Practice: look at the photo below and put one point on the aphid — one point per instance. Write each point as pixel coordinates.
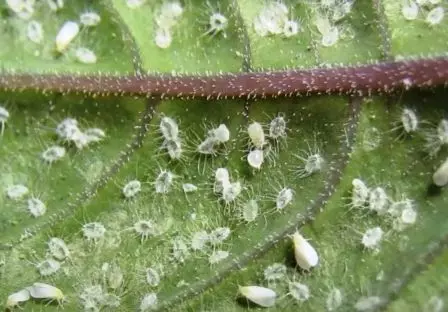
(434, 304)
(284, 198)
(221, 134)
(163, 182)
(250, 210)
(299, 291)
(16, 298)
(133, 4)
(290, 28)
(55, 4)
(66, 34)
(218, 256)
(218, 235)
(277, 127)
(199, 240)
(163, 38)
(231, 191)
(58, 249)
(4, 115)
(409, 120)
(86, 56)
(409, 10)
(152, 277)
(189, 188)
(90, 18)
(368, 303)
(378, 200)
(276, 271)
(180, 249)
(45, 291)
(169, 128)
(93, 231)
(94, 134)
(435, 16)
(372, 237)
(440, 176)
(53, 153)
(132, 188)
(256, 134)
(360, 193)
(36, 207)
(145, 228)
(35, 32)
(148, 302)
(48, 267)
(262, 296)
(255, 158)
(334, 299)
(305, 254)
(16, 191)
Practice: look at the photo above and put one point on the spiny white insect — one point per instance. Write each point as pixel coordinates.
(409, 120)
(90, 18)
(46, 291)
(16, 298)
(250, 210)
(218, 256)
(408, 216)
(313, 163)
(334, 299)
(271, 19)
(435, 140)
(169, 128)
(111, 300)
(53, 153)
(174, 148)
(189, 188)
(378, 200)
(180, 249)
(95, 134)
(276, 271)
(284, 198)
(397, 207)
(305, 254)
(434, 304)
(277, 127)
(163, 38)
(36, 207)
(68, 130)
(132, 188)
(4, 115)
(360, 193)
(152, 277)
(256, 134)
(299, 291)
(264, 297)
(290, 28)
(16, 191)
(217, 24)
(85, 55)
(440, 176)
(409, 10)
(48, 267)
(435, 16)
(163, 182)
(218, 235)
(133, 4)
(231, 191)
(221, 134)
(169, 14)
(55, 5)
(58, 249)
(207, 147)
(342, 9)
(91, 297)
(372, 237)
(114, 276)
(222, 180)
(368, 303)
(35, 31)
(148, 302)
(145, 228)
(331, 37)
(93, 231)
(199, 240)
(255, 158)
(24, 9)
(66, 34)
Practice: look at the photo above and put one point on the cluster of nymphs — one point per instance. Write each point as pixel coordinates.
(306, 258)
(25, 9)
(432, 9)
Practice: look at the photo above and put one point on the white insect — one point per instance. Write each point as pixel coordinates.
(90, 19)
(207, 147)
(58, 249)
(95, 134)
(440, 176)
(163, 182)
(152, 277)
(408, 216)
(372, 237)
(66, 34)
(331, 37)
(217, 256)
(132, 188)
(305, 254)
(276, 271)
(199, 240)
(256, 134)
(36, 207)
(16, 191)
(55, 4)
(169, 14)
(114, 276)
(264, 297)
(4, 115)
(271, 19)
(231, 191)
(68, 130)
(53, 153)
(217, 23)
(174, 148)
(434, 304)
(378, 200)
(93, 231)
(277, 127)
(221, 134)
(169, 128)
(148, 302)
(48, 267)
(180, 249)
(145, 228)
(23, 9)
(360, 193)
(409, 10)
(435, 16)
(284, 198)
(189, 188)
(397, 208)
(291, 28)
(368, 303)
(163, 38)
(334, 299)
(218, 235)
(250, 210)
(46, 291)
(16, 298)
(222, 180)
(255, 158)
(409, 120)
(299, 291)
(92, 297)
(314, 162)
(85, 55)
(35, 32)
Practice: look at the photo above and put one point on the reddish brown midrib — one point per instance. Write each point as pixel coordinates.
(366, 78)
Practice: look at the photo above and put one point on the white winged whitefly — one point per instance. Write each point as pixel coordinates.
(15, 299)
(262, 296)
(45, 291)
(304, 253)
(440, 176)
